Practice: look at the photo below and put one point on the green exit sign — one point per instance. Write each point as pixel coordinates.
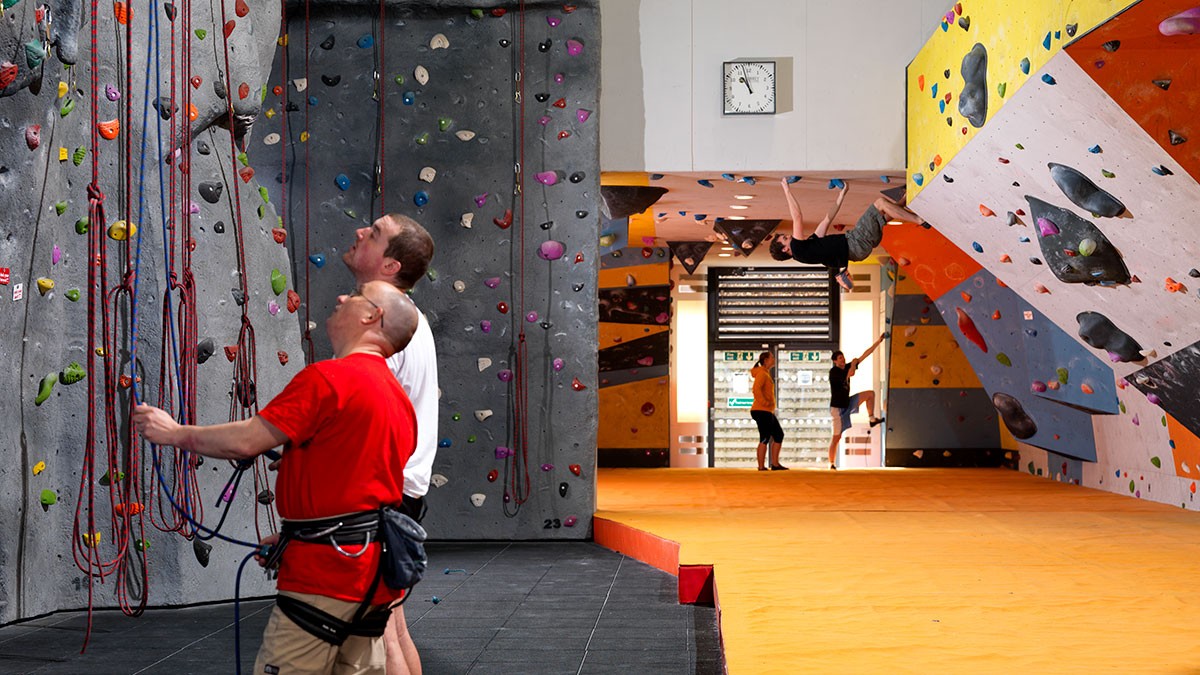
(739, 356)
(804, 356)
(739, 401)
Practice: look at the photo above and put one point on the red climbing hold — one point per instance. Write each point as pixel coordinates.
(506, 221)
(493, 475)
(576, 469)
(243, 90)
(969, 331)
(196, 82)
(569, 8)
(231, 352)
(229, 27)
(577, 385)
(279, 234)
(560, 103)
(277, 90)
(246, 173)
(283, 357)
(499, 12)
(293, 301)
(33, 136)
(8, 73)
(241, 8)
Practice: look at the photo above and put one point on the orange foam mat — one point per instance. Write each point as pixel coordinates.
(926, 570)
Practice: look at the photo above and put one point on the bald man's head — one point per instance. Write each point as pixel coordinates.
(399, 313)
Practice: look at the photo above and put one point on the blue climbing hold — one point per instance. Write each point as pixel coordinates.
(1024, 240)
(941, 105)
(312, 100)
(1047, 79)
(945, 26)
(918, 179)
(704, 182)
(793, 179)
(748, 180)
(728, 176)
(836, 184)
(1046, 42)
(933, 91)
(978, 248)
(656, 176)
(409, 98)
(1161, 170)
(366, 42)
(683, 213)
(444, 443)
(700, 216)
(1025, 66)
(317, 259)
(343, 181)
(420, 198)
(885, 179)
(1095, 150)
(1031, 332)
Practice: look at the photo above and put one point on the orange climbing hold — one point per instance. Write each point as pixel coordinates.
(969, 331)
(293, 301)
(132, 508)
(985, 211)
(965, 296)
(1086, 389)
(1005, 259)
(921, 82)
(1041, 289)
(193, 113)
(1173, 286)
(109, 130)
(937, 160)
(996, 315)
(122, 13)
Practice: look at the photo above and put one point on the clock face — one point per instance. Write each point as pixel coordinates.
(749, 87)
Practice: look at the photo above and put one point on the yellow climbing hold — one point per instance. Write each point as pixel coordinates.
(45, 285)
(303, 136)
(121, 230)
(91, 540)
(281, 40)
(270, 113)
(62, 89)
(63, 154)
(38, 468)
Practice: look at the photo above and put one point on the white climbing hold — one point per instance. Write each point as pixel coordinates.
(312, 325)
(466, 220)
(484, 363)
(420, 74)
(482, 415)
(460, 285)
(1149, 353)
(464, 135)
(439, 41)
(428, 174)
(300, 83)
(271, 139)
(478, 498)
(438, 480)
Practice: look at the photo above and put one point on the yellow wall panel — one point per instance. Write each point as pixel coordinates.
(657, 274)
(616, 333)
(624, 424)
(641, 226)
(935, 355)
(624, 178)
(1010, 30)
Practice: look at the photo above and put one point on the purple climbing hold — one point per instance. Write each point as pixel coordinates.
(273, 307)
(111, 92)
(582, 115)
(558, 364)
(544, 120)
(505, 375)
(1186, 22)
(503, 452)
(574, 47)
(531, 317)
(481, 199)
(553, 21)
(558, 78)
(547, 177)
(1038, 386)
(492, 282)
(1153, 398)
(547, 467)
(551, 250)
(485, 326)
(1046, 227)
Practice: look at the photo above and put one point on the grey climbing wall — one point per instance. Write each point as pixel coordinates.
(82, 504)
(442, 116)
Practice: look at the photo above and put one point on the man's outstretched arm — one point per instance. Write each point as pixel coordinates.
(823, 226)
(243, 439)
(793, 209)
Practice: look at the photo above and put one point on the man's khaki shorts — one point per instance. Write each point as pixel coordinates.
(288, 649)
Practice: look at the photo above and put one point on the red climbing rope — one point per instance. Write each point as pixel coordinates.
(380, 69)
(307, 333)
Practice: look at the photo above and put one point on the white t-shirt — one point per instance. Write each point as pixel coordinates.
(416, 369)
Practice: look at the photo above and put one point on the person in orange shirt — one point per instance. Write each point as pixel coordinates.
(763, 412)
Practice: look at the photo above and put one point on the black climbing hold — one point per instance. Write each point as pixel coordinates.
(1035, 260)
(211, 192)
(246, 393)
(547, 225)
(331, 80)
(576, 177)
(1099, 332)
(932, 166)
(505, 43)
(163, 105)
(1071, 29)
(239, 296)
(581, 214)
(1013, 414)
(1194, 273)
(169, 8)
(219, 227)
(219, 87)
(946, 73)
(620, 201)
(964, 22)
(204, 350)
(562, 489)
(203, 148)
(546, 325)
(327, 44)
(544, 46)
(946, 178)
(949, 121)
(1084, 193)
(292, 106)
(266, 497)
(973, 101)
(1111, 45)
(1162, 84)
(1064, 230)
(1176, 137)
(1016, 184)
(202, 549)
(542, 97)
(577, 287)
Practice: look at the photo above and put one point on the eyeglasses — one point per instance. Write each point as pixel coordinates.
(358, 294)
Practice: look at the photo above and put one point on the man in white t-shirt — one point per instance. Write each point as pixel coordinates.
(396, 249)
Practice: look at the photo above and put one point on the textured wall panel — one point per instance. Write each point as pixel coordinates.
(935, 419)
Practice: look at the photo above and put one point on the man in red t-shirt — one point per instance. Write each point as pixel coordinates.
(349, 429)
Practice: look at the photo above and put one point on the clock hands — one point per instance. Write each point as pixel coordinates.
(746, 80)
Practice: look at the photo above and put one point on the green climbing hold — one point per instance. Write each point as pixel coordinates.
(72, 295)
(399, 79)
(72, 373)
(201, 33)
(60, 207)
(432, 274)
(1062, 375)
(45, 388)
(1132, 486)
(350, 213)
(107, 480)
(1087, 247)
(141, 544)
(35, 54)
(266, 196)
(1001, 88)
(10, 3)
(81, 225)
(48, 498)
(278, 281)
(1003, 359)
(456, 417)
(1156, 462)
(67, 106)
(1020, 147)
(1121, 406)
(423, 139)
(1031, 467)
(475, 13)
(1107, 174)
(262, 211)
(243, 159)
(444, 123)
(471, 438)
(80, 154)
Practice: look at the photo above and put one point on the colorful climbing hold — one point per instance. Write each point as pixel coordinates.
(967, 326)
(278, 281)
(44, 389)
(122, 231)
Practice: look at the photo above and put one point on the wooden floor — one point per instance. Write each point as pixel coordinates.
(921, 570)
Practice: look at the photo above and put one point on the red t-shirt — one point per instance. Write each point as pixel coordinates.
(351, 429)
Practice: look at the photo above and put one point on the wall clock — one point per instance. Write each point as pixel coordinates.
(749, 87)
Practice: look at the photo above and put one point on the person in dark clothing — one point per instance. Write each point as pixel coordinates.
(841, 403)
(836, 250)
(763, 412)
